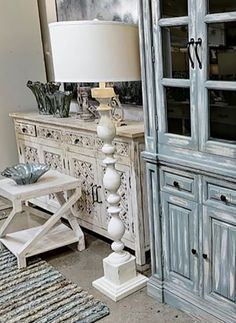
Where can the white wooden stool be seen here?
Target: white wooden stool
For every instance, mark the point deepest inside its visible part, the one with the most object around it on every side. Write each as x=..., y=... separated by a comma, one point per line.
x=53, y=233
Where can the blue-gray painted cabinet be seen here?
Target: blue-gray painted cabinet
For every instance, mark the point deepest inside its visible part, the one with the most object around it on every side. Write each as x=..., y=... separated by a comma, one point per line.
x=188, y=58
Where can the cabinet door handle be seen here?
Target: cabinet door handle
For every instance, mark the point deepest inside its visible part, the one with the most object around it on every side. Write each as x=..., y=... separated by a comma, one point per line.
x=93, y=194
x=194, y=251
x=223, y=198
x=98, y=187
x=190, y=43
x=204, y=256
x=198, y=43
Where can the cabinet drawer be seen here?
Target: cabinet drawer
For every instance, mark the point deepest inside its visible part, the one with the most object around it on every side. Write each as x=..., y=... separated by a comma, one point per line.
x=181, y=183
x=122, y=147
x=25, y=129
x=49, y=133
x=219, y=195
x=82, y=140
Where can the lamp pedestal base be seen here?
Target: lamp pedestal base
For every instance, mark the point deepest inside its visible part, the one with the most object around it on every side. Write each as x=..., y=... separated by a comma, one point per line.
x=120, y=280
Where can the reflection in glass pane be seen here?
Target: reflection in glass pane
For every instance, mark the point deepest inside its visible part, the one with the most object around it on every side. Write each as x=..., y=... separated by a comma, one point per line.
x=178, y=110
x=173, y=8
x=222, y=51
x=222, y=106
x=175, y=58
x=215, y=6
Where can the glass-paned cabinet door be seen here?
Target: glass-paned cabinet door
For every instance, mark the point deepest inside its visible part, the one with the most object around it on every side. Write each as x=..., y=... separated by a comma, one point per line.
x=216, y=24
x=174, y=33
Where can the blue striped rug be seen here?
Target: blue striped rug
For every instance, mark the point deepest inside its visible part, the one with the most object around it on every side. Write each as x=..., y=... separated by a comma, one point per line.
x=40, y=294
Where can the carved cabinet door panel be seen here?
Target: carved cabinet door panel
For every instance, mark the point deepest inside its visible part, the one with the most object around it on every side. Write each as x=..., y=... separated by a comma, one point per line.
x=55, y=158
x=28, y=152
x=85, y=168
x=219, y=258
x=180, y=240
x=125, y=203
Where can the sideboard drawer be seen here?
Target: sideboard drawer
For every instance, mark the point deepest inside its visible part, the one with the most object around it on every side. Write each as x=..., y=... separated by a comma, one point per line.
x=181, y=183
x=49, y=133
x=25, y=129
x=218, y=195
x=122, y=148
x=79, y=139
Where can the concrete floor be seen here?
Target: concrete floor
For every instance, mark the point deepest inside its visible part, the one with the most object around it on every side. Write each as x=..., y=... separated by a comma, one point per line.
x=86, y=266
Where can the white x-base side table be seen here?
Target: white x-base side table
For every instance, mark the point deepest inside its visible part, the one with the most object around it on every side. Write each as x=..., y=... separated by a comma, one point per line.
x=52, y=233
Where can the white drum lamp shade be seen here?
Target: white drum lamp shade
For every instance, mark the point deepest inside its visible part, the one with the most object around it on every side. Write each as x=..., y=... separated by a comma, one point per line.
x=95, y=51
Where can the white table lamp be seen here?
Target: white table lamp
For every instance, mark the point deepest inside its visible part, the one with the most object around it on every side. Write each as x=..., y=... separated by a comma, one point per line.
x=101, y=51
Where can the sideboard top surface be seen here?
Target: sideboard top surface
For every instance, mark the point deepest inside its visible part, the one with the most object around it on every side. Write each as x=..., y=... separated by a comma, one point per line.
x=134, y=129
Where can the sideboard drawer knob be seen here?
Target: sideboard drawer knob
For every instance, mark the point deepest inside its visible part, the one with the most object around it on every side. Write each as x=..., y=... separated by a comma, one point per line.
x=223, y=198
x=176, y=184
x=204, y=256
x=194, y=251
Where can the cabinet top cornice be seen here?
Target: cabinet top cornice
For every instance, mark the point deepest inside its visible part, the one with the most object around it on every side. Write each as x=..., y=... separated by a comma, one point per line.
x=134, y=129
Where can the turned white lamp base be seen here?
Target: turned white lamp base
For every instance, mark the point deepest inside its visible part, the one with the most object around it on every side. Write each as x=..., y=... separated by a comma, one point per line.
x=120, y=277
x=120, y=280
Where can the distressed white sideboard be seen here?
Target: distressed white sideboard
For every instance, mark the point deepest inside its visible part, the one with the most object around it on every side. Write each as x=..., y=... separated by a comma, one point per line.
x=71, y=146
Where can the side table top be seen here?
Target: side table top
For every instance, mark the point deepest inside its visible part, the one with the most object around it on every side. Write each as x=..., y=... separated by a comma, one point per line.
x=51, y=182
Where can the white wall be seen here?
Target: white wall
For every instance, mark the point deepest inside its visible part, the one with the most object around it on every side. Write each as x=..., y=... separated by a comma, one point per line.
x=21, y=59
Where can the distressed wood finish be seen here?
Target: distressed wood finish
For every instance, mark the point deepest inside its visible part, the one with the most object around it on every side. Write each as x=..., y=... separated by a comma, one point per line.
x=148, y=60
x=180, y=236
x=220, y=265
x=72, y=147
x=191, y=181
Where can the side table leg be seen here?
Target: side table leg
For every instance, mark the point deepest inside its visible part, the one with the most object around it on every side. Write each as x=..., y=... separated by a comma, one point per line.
x=1, y=246
x=21, y=261
x=76, y=228
x=81, y=245
x=47, y=226
x=17, y=208
x=72, y=219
